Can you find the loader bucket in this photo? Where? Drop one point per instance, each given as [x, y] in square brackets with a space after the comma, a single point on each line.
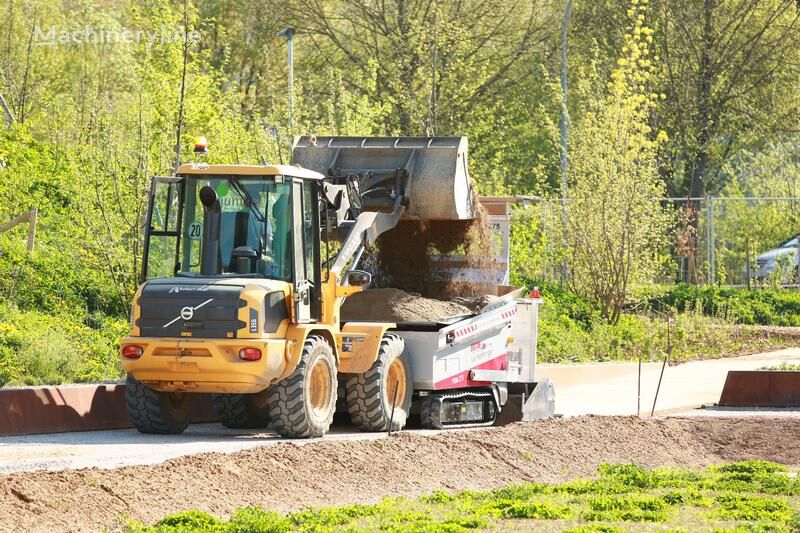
[434, 169]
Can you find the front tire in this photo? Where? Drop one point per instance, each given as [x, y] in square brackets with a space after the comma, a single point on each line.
[152, 411]
[302, 404]
[242, 411]
[371, 395]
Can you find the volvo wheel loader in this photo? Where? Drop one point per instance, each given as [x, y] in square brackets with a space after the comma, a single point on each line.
[245, 269]
[242, 290]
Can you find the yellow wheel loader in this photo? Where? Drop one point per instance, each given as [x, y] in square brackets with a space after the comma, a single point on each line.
[241, 298]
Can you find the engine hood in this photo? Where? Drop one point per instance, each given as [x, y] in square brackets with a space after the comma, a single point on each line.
[179, 307]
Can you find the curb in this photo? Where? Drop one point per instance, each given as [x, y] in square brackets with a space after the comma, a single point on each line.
[66, 408]
[761, 388]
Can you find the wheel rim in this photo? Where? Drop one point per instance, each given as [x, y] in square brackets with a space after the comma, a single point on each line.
[395, 377]
[320, 389]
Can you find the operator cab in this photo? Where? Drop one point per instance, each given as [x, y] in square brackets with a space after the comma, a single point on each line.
[237, 221]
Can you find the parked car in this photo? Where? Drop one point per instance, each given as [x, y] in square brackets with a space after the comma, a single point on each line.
[785, 254]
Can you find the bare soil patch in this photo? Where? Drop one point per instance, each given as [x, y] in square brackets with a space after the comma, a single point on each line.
[288, 477]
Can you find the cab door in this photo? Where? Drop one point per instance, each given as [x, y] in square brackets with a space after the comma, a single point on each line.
[162, 228]
[307, 274]
[303, 279]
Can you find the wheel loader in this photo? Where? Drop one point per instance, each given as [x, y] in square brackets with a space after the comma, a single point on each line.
[245, 269]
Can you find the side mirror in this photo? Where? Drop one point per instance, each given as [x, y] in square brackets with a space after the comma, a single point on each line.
[359, 278]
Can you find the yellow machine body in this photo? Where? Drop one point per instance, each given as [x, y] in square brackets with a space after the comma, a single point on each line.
[212, 365]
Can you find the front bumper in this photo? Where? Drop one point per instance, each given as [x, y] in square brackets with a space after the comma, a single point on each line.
[205, 365]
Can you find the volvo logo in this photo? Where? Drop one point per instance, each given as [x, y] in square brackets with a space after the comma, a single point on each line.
[187, 312]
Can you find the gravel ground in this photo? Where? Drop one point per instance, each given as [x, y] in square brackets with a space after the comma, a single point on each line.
[287, 477]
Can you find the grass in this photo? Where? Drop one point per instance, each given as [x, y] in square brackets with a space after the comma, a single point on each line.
[745, 496]
[786, 365]
[41, 349]
[572, 331]
[758, 306]
[705, 322]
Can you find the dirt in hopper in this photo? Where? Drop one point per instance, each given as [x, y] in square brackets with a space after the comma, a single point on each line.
[288, 477]
[404, 254]
[394, 305]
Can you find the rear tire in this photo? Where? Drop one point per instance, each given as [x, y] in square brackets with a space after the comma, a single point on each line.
[302, 404]
[242, 411]
[370, 395]
[152, 411]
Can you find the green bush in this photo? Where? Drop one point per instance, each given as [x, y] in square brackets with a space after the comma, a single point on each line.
[257, 520]
[761, 306]
[41, 349]
[522, 509]
[54, 281]
[572, 330]
[313, 519]
[190, 521]
[60, 320]
[751, 508]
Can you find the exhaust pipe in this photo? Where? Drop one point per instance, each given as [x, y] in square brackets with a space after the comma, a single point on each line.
[211, 259]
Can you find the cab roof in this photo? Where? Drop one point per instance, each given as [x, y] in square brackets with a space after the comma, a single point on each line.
[248, 170]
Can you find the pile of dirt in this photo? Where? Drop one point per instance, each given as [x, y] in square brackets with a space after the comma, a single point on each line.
[394, 305]
[404, 254]
[287, 477]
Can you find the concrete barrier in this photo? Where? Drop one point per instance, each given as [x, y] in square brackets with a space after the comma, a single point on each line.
[64, 408]
[761, 388]
[564, 376]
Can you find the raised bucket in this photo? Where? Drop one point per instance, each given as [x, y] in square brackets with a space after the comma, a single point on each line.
[438, 186]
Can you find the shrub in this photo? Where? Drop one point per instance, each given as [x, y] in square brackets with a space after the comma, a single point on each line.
[529, 510]
[750, 508]
[190, 521]
[37, 349]
[773, 306]
[330, 516]
[257, 520]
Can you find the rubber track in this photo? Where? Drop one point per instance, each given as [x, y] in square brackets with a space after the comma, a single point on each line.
[145, 410]
[364, 394]
[287, 402]
[431, 418]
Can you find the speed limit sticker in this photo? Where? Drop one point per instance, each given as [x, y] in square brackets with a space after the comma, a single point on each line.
[195, 231]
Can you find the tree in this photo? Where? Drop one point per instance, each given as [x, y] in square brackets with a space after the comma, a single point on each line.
[614, 229]
[435, 60]
[729, 72]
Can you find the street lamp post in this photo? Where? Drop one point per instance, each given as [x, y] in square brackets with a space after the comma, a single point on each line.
[289, 34]
[564, 130]
[564, 109]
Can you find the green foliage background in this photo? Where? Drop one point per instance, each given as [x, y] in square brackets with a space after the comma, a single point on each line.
[95, 121]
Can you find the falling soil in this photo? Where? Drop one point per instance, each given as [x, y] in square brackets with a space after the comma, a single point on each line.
[405, 253]
[287, 477]
[394, 305]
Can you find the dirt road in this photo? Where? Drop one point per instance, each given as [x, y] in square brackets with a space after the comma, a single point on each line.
[287, 476]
